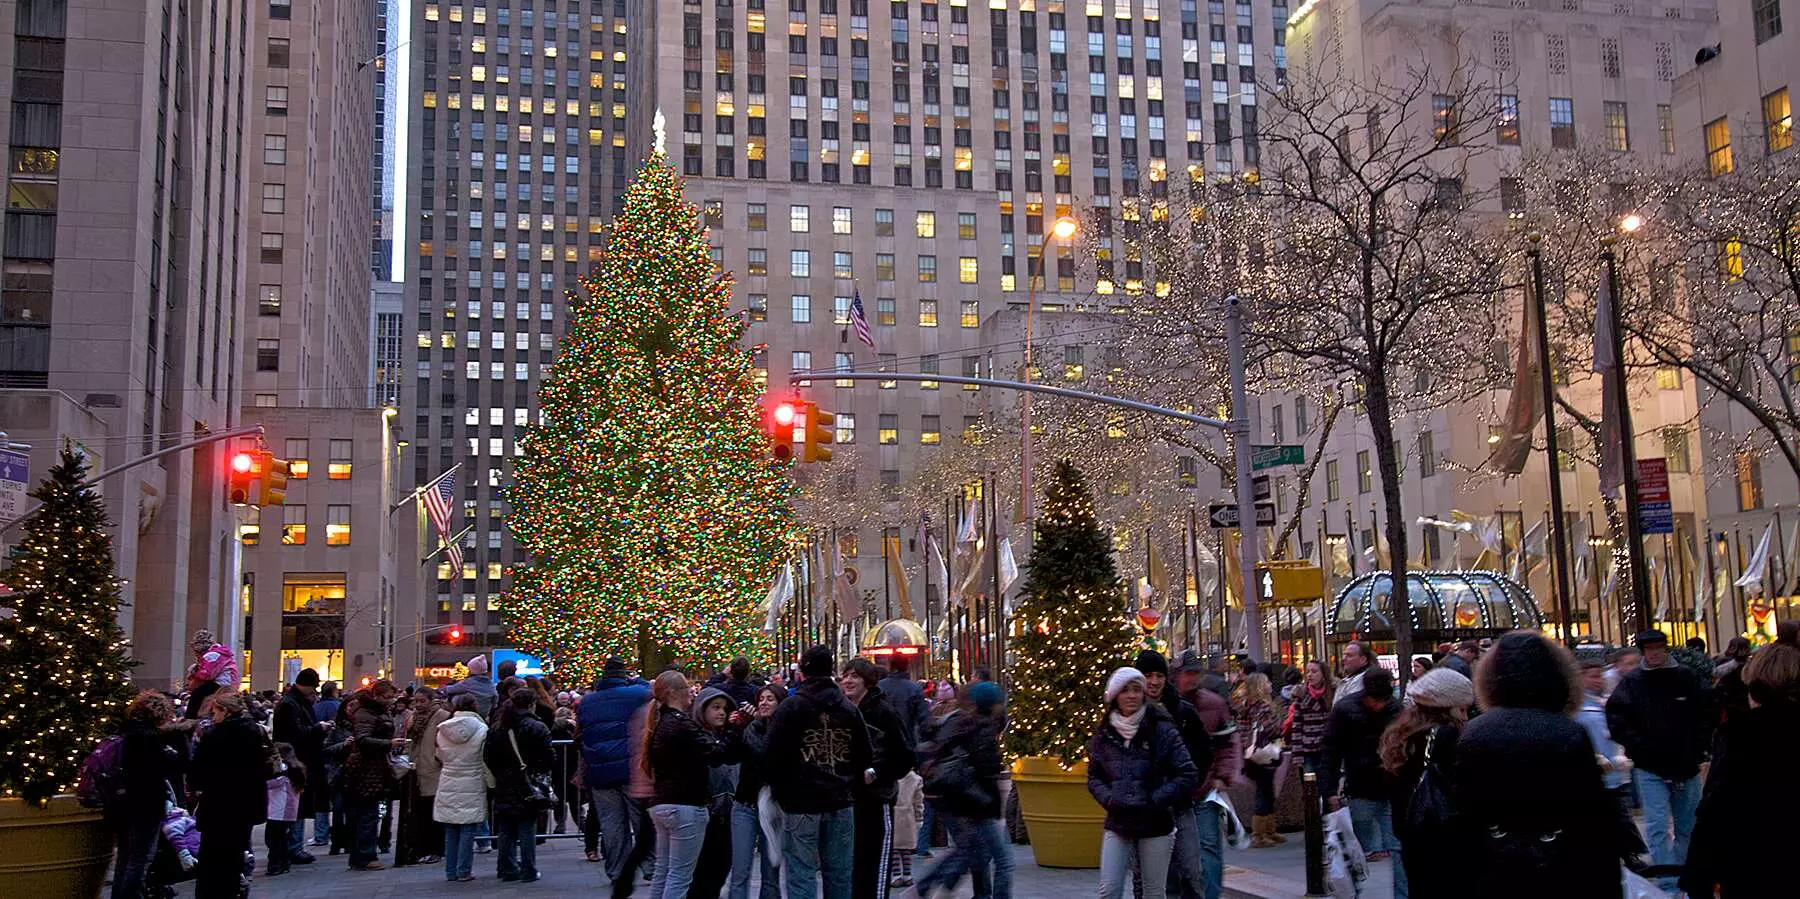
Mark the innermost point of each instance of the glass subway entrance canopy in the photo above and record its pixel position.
(1445, 606)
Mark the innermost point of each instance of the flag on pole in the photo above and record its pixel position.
(860, 320)
(1758, 567)
(1009, 569)
(890, 548)
(1524, 406)
(779, 593)
(1612, 459)
(437, 498)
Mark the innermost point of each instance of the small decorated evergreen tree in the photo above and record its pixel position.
(1074, 627)
(63, 664)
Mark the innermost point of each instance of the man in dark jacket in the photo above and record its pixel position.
(895, 756)
(476, 684)
(1185, 865)
(1219, 762)
(907, 698)
(818, 752)
(368, 780)
(1661, 714)
(605, 717)
(297, 725)
(1353, 739)
(230, 775)
(736, 684)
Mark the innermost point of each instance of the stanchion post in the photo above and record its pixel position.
(1315, 836)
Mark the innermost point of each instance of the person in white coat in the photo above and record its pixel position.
(462, 793)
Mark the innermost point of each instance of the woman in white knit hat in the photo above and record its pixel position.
(1138, 768)
(1419, 750)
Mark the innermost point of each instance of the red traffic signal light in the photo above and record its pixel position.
(243, 471)
(783, 416)
(456, 635)
(243, 463)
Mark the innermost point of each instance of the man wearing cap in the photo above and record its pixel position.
(1661, 714)
(476, 684)
(1219, 762)
(298, 725)
(605, 719)
(818, 750)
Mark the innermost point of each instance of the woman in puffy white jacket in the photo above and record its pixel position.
(462, 793)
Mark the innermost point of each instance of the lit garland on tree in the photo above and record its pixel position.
(63, 663)
(646, 495)
(1075, 630)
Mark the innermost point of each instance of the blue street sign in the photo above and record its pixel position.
(1656, 518)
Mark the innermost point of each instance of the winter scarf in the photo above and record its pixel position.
(1126, 725)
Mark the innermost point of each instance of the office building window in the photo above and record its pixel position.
(295, 450)
(757, 216)
(930, 431)
(842, 362)
(965, 225)
(338, 467)
(840, 310)
(1428, 460)
(884, 223)
(1749, 480)
(1332, 489)
(800, 309)
(268, 299)
(925, 224)
(1618, 139)
(1765, 15)
(1718, 147)
(928, 313)
(1562, 123)
(279, 52)
(968, 270)
(884, 266)
(1365, 472)
(971, 313)
(293, 525)
(846, 428)
(758, 261)
(799, 219)
(1443, 118)
(1506, 130)
(1675, 449)
(275, 100)
(1665, 128)
(1778, 121)
(971, 369)
(800, 263)
(886, 312)
(799, 361)
(337, 525)
(758, 304)
(268, 354)
(274, 198)
(1668, 377)
(275, 149)
(927, 269)
(890, 429)
(840, 220)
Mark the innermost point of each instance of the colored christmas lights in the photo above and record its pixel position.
(645, 495)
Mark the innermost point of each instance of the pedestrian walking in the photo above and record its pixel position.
(944, 705)
(1537, 818)
(1615, 766)
(1741, 830)
(296, 723)
(678, 757)
(1354, 663)
(1354, 739)
(230, 780)
(964, 768)
(1309, 714)
(1418, 751)
(1220, 766)
(1261, 731)
(750, 847)
(818, 750)
(605, 721)
(1624, 661)
(894, 753)
(1662, 714)
(906, 697)
(1185, 865)
(368, 778)
(1462, 659)
(461, 802)
(1137, 769)
(285, 790)
(518, 755)
(148, 765)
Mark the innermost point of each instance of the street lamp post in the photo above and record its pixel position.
(1559, 553)
(1620, 399)
(1063, 229)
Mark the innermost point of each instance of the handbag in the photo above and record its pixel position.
(1265, 754)
(540, 792)
(1429, 808)
(951, 779)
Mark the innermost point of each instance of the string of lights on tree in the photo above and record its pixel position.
(1073, 630)
(63, 658)
(646, 498)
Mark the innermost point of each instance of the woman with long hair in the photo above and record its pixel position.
(748, 841)
(231, 780)
(1259, 727)
(1422, 742)
(150, 764)
(1308, 714)
(678, 756)
(421, 837)
(517, 748)
(1138, 768)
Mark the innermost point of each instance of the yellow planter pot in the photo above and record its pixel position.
(62, 850)
(1062, 817)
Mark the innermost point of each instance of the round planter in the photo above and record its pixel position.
(61, 850)
(1062, 817)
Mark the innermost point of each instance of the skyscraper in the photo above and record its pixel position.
(516, 141)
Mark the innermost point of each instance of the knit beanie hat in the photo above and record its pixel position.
(985, 695)
(308, 677)
(1441, 688)
(816, 662)
(1121, 679)
(478, 666)
(1149, 661)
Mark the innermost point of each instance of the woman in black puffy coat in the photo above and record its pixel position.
(1138, 768)
(517, 748)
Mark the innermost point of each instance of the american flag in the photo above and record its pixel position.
(860, 321)
(436, 499)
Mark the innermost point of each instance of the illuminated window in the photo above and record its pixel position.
(1749, 481)
(799, 219)
(840, 220)
(800, 263)
(1778, 121)
(337, 525)
(886, 312)
(884, 266)
(968, 270)
(296, 458)
(840, 310)
(250, 530)
(757, 215)
(293, 525)
(890, 429)
(928, 313)
(930, 431)
(928, 365)
(800, 308)
(1506, 130)
(1668, 377)
(1618, 139)
(1444, 125)
(1718, 146)
(1665, 127)
(338, 468)
(846, 428)
(925, 224)
(1731, 260)
(965, 225)
(314, 594)
(971, 313)
(1074, 367)
(842, 265)
(927, 269)
(842, 362)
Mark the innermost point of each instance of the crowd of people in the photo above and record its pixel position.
(1503, 769)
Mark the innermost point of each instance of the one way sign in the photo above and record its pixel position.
(1224, 516)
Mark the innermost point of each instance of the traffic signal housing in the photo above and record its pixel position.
(242, 471)
(817, 435)
(783, 416)
(275, 474)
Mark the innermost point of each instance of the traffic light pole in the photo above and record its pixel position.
(245, 431)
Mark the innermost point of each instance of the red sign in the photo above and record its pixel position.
(1653, 480)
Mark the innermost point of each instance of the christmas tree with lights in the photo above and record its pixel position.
(645, 495)
(1074, 627)
(63, 665)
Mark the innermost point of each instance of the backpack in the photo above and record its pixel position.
(102, 780)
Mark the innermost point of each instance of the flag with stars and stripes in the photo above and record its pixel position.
(436, 500)
(860, 321)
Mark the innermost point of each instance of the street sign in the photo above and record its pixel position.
(15, 471)
(1289, 582)
(1260, 488)
(1655, 515)
(1268, 456)
(1224, 516)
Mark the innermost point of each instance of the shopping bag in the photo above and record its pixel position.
(1638, 888)
(1346, 867)
(1235, 834)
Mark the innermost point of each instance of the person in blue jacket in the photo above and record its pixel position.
(604, 721)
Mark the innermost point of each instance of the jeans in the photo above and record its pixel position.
(927, 823)
(748, 844)
(1373, 822)
(296, 838)
(977, 843)
(322, 828)
(1151, 855)
(1668, 817)
(515, 836)
(1197, 864)
(365, 828)
(680, 833)
(643, 848)
(1263, 776)
(1319, 763)
(459, 850)
(614, 813)
(818, 844)
(137, 845)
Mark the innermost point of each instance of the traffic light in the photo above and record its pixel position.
(243, 471)
(456, 635)
(781, 429)
(274, 480)
(817, 435)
